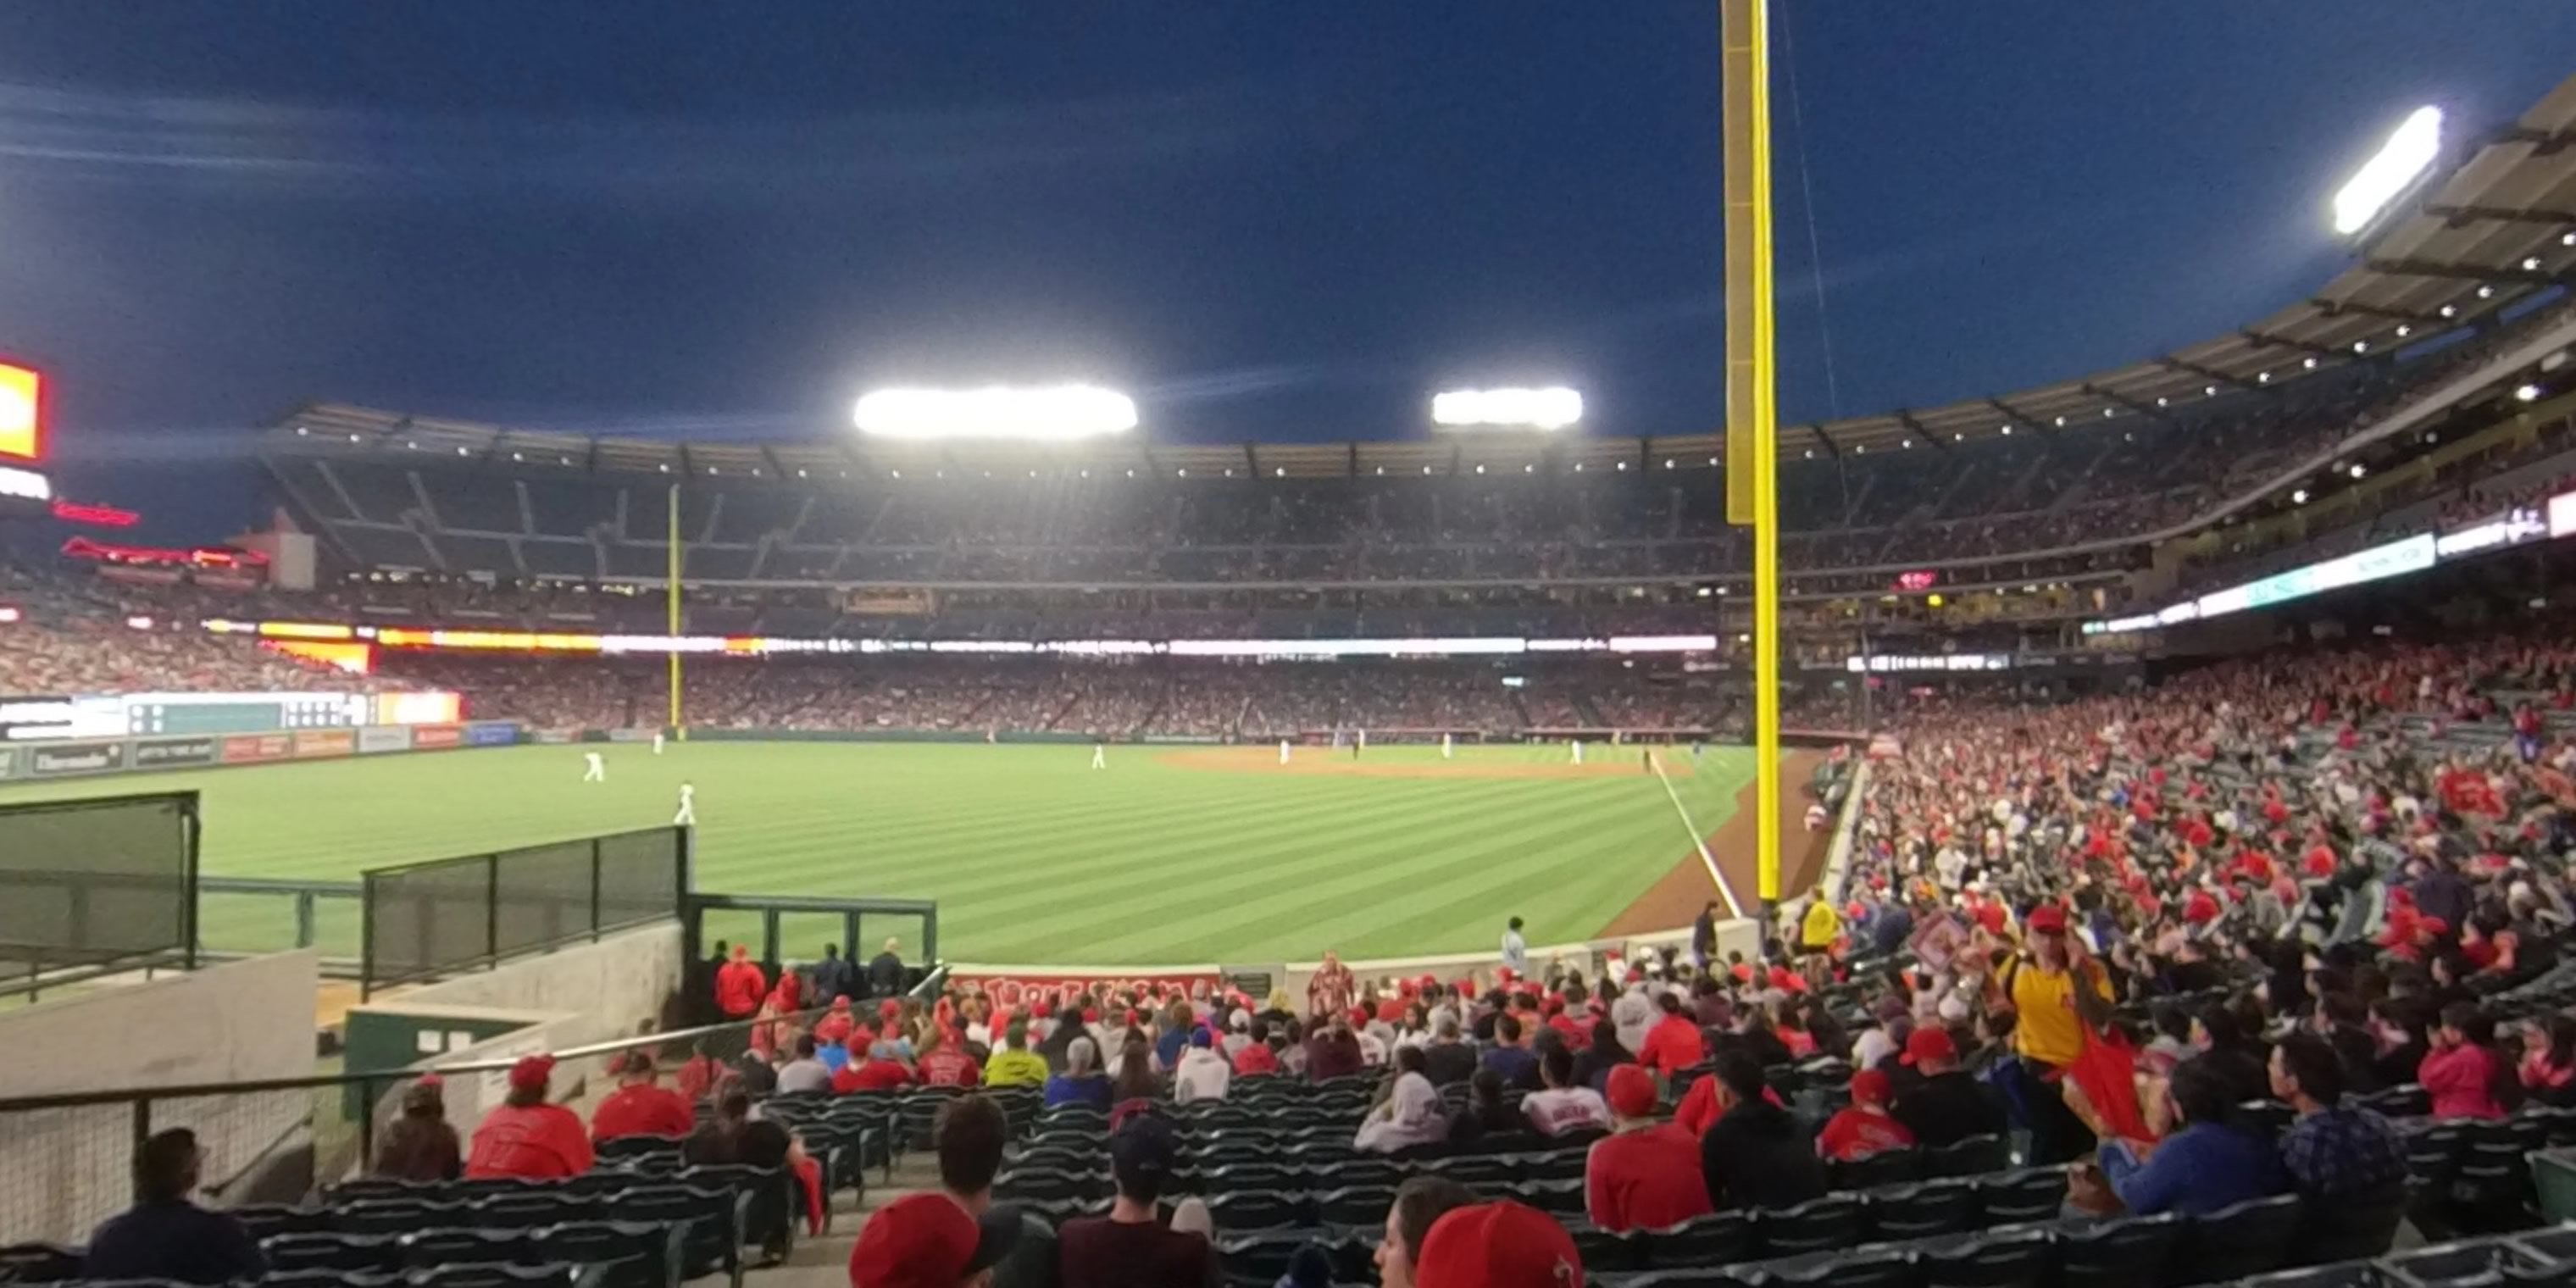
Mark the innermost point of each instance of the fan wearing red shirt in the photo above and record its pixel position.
(880, 1071)
(1674, 1044)
(527, 1137)
(639, 1107)
(1646, 1175)
(740, 985)
(944, 1064)
(1865, 1128)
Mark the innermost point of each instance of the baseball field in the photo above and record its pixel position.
(1166, 855)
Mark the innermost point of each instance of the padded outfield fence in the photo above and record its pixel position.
(96, 886)
(423, 920)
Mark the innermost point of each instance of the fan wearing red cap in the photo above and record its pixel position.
(1498, 1245)
(526, 1137)
(1864, 1127)
(1646, 1174)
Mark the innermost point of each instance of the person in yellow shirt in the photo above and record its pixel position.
(1015, 1065)
(2048, 1031)
(1821, 926)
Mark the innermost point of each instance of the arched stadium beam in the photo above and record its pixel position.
(2210, 374)
(2461, 216)
(2110, 395)
(2285, 342)
(2016, 416)
(2337, 308)
(1905, 417)
(2483, 273)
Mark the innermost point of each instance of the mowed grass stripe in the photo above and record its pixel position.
(1252, 912)
(1089, 894)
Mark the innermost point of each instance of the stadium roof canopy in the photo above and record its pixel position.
(2495, 230)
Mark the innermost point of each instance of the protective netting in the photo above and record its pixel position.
(92, 881)
(427, 919)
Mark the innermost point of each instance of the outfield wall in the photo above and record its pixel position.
(1740, 934)
(102, 757)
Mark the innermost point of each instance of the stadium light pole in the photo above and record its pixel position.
(1752, 412)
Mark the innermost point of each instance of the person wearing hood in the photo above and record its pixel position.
(1412, 1116)
(421, 1145)
(1202, 1074)
(1754, 1155)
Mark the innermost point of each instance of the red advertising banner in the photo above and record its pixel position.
(315, 743)
(1015, 988)
(257, 747)
(431, 736)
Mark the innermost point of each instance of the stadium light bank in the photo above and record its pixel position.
(1551, 408)
(1044, 414)
(2400, 162)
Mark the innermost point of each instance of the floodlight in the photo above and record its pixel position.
(2409, 152)
(2358, 470)
(2531, 264)
(2299, 497)
(1046, 413)
(1553, 407)
(2526, 393)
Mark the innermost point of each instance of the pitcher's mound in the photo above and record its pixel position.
(1616, 763)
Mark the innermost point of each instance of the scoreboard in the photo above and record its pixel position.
(24, 424)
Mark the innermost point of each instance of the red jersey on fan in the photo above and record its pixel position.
(950, 1067)
(642, 1110)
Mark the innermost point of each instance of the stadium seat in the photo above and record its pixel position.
(1833, 1221)
(332, 1251)
(1970, 1157)
(635, 1254)
(460, 1246)
(1999, 1259)
(1356, 1207)
(2352, 1226)
(2127, 1252)
(2032, 1194)
(2341, 1274)
(1886, 1167)
(1917, 1211)
(550, 1275)
(1868, 1268)
(1720, 1238)
(39, 1263)
(1247, 1211)
(619, 1148)
(2247, 1238)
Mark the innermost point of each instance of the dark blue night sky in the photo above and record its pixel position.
(1266, 219)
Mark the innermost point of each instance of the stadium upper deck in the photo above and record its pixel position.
(2452, 306)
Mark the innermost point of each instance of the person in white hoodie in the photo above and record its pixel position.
(1202, 1074)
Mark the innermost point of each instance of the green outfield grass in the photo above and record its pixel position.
(1032, 855)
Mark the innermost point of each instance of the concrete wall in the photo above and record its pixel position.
(607, 988)
(69, 1168)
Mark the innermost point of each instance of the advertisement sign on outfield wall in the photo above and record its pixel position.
(431, 737)
(250, 749)
(376, 738)
(76, 758)
(8, 762)
(317, 743)
(494, 733)
(170, 753)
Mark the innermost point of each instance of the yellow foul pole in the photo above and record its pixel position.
(1752, 410)
(671, 591)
